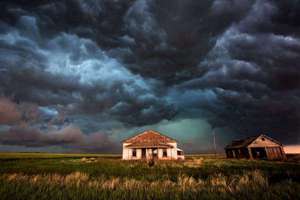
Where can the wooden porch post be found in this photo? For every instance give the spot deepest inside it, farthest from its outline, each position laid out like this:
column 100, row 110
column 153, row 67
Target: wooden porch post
column 148, row 153
column 233, row 153
column 250, row 153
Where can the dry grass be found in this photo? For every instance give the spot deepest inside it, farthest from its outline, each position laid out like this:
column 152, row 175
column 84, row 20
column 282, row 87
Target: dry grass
column 252, row 181
column 93, row 177
column 183, row 182
column 194, row 162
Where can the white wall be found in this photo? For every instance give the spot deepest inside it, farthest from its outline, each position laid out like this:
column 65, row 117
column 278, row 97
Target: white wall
column 171, row 153
column 125, row 153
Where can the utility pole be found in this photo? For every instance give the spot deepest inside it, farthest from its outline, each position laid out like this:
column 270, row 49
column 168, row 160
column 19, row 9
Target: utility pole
column 214, row 140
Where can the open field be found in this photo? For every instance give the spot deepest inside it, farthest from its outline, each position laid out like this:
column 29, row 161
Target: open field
column 95, row 176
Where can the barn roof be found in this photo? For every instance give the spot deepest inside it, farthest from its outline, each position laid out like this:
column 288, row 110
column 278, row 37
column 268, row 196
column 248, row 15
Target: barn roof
column 241, row 143
column 149, row 139
column 245, row 142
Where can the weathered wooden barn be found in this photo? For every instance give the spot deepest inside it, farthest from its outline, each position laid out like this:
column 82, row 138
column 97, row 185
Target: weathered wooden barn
column 257, row 147
column 151, row 145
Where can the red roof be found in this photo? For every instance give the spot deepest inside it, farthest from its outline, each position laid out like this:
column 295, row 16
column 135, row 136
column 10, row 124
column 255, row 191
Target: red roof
column 149, row 139
column 149, row 145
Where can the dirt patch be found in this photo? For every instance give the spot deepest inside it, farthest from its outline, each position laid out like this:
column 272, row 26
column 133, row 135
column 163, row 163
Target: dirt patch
column 88, row 160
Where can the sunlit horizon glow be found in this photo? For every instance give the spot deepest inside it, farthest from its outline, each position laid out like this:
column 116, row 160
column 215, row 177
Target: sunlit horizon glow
column 292, row 149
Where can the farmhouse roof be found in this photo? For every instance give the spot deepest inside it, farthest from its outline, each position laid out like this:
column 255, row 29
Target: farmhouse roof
column 149, row 139
column 246, row 142
column 149, row 145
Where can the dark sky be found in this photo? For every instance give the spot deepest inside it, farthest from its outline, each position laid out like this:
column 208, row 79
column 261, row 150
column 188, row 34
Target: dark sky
column 81, row 75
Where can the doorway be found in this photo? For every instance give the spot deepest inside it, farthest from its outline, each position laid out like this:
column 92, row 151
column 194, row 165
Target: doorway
column 143, row 153
column 259, row 153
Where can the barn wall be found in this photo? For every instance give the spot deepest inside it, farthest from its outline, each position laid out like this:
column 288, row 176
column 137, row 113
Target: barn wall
column 261, row 148
column 273, row 150
column 275, row 153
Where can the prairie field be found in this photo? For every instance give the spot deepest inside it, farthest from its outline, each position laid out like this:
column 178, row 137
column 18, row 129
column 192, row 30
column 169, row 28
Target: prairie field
column 41, row 176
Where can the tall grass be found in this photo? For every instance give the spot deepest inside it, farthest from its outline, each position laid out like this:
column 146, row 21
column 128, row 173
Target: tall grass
column 85, row 176
column 196, row 167
column 78, row 185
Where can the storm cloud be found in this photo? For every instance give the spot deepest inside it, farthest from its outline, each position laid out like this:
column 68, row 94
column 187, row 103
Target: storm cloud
column 125, row 65
column 69, row 137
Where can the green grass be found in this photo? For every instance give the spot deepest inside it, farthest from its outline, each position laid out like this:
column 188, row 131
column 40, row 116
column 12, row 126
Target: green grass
column 95, row 176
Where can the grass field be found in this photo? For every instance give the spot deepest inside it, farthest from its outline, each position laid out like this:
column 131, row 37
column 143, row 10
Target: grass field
column 93, row 176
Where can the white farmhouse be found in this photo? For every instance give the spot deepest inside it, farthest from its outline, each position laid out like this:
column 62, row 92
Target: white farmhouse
column 151, row 145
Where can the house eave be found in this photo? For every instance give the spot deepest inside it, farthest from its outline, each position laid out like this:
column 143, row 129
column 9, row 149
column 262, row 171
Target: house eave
column 149, row 146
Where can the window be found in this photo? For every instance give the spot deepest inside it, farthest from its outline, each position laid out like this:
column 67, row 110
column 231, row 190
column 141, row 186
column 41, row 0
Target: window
column 263, row 139
column 179, row 153
column 133, row 152
column 165, row 153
